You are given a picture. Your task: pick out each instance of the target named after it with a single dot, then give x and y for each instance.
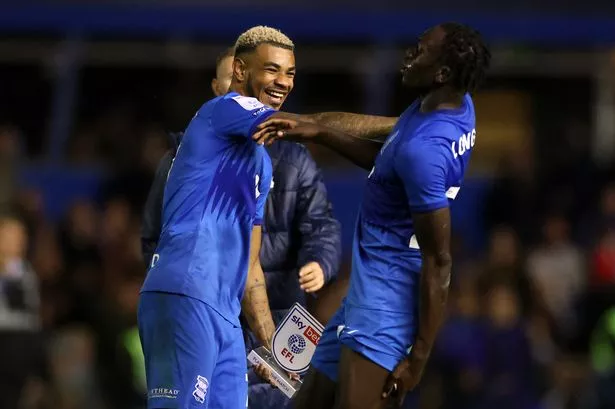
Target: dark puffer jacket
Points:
(299, 226)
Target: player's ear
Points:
(214, 86)
(443, 75)
(239, 69)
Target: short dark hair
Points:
(465, 52)
(229, 52)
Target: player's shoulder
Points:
(436, 128)
(449, 124)
(236, 100)
(431, 136)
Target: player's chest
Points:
(384, 197)
(383, 171)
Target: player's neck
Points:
(441, 98)
(238, 88)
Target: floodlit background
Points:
(89, 90)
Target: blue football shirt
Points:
(420, 168)
(215, 194)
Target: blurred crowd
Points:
(532, 315)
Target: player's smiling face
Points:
(270, 74)
(421, 67)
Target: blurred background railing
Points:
(88, 91)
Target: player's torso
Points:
(208, 213)
(386, 255)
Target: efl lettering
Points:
(464, 144)
(288, 355)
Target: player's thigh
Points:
(374, 342)
(360, 382)
(317, 391)
(383, 337)
(180, 348)
(229, 382)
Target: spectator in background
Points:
(557, 270)
(603, 261)
(80, 286)
(73, 376)
(509, 373)
(79, 234)
(601, 392)
(602, 345)
(505, 265)
(19, 294)
(600, 219)
(22, 354)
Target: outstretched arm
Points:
(255, 304)
(371, 127)
(360, 151)
(368, 133)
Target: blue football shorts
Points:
(383, 337)
(194, 358)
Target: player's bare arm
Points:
(362, 152)
(371, 127)
(433, 231)
(255, 304)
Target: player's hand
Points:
(404, 378)
(264, 372)
(275, 128)
(311, 277)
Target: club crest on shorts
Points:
(295, 340)
(200, 389)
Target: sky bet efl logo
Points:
(295, 340)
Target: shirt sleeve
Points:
(421, 164)
(239, 115)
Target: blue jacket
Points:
(299, 226)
